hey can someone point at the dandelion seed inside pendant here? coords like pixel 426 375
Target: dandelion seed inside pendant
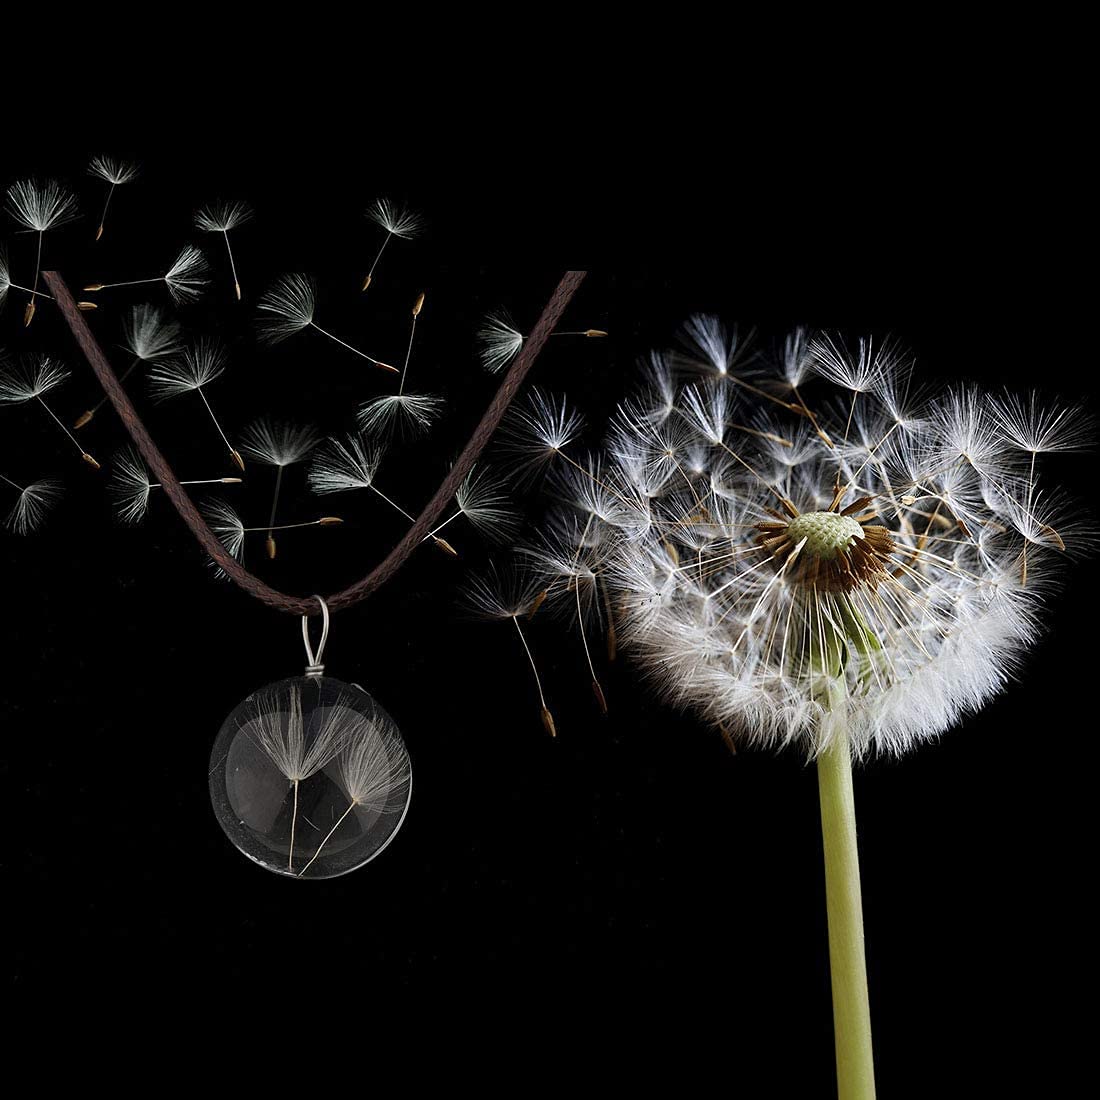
pixel 309 776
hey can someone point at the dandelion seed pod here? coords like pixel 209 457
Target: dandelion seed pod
pixel 309 777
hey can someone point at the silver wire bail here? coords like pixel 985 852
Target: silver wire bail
pixel 314 667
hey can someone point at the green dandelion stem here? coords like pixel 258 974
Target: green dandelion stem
pixel 855 1070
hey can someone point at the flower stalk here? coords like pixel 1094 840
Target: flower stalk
pixel 855 1072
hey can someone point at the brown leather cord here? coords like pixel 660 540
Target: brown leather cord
pixel 382 572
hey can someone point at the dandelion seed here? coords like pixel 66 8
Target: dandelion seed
pixel 397 221
pixel 39 207
pixel 499 340
pixel 186 279
pixel 196 367
pixel 221 217
pixel 32 504
pixel 536 431
pixel 410 413
pixel 288 308
pixel 230 528
pixel 482 499
pixel 279 445
pixel 563 566
pixel 227 526
pixel 373 766
pixel 148 336
pixel 31 382
pixel 130 485
pixel 114 173
pixel 342 466
pixel 6 284
pixel 500 597
pixel 277 726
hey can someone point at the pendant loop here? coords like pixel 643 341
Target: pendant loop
pixel 314 667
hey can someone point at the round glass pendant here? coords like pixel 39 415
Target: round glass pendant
pixel 309 777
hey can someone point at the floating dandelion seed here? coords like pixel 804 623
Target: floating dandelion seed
pixel 186 279
pixel 500 597
pixel 19 384
pixel 39 207
pixel 410 413
pixel 499 340
pixel 482 499
pixel 397 221
pixel 227 526
pixel 288 307
pixel 221 217
pixel 536 431
pixel 130 485
pixel 373 766
pixel 114 173
pixel 279 445
pixel 565 564
pixel 851 584
pixel 148 336
pixel 196 367
pixel 6 284
pixel 230 529
pixel 32 504
pixel 342 466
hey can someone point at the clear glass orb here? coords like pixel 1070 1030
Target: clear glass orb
pixel 309 777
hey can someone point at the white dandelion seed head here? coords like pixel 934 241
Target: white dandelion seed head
pixel 968 430
pixel 499 594
pixel 112 170
pixel 222 216
pixel 708 346
pixel 41 206
pixel 706 410
pixel 535 431
pixel 286 308
pixel 32 505
pixel 5 275
pixel 484 500
pixel 188 277
pixel 1037 426
pixel 298 746
pixel 856 371
pixel 407 414
pixel 498 341
pixel 195 367
pixel 395 218
pixel 373 763
pixel 797 359
pixel 560 564
pixel 658 399
pixel 149 335
pixel 30 379
pixel 129 485
pixel 883 562
pixel 277 443
pixel 227 526
pixel 343 465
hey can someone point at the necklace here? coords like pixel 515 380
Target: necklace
pixel 309 776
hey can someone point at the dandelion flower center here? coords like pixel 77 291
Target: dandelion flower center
pixel 826 533
pixel 829 551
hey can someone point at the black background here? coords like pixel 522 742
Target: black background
pixel 633 865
